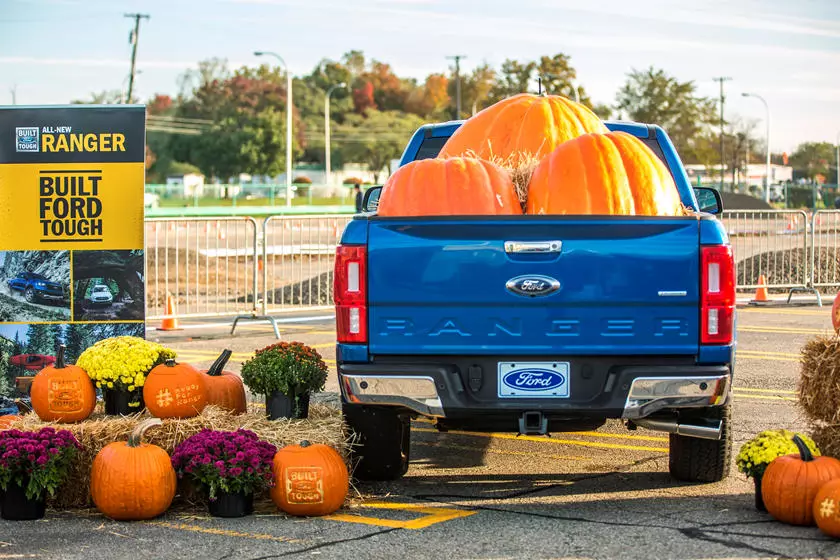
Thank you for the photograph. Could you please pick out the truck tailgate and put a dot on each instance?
(627, 285)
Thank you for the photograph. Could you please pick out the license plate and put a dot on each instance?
(534, 380)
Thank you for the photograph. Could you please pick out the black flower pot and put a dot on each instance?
(280, 405)
(229, 504)
(15, 506)
(117, 402)
(759, 500)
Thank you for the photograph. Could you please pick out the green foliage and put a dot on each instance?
(40, 339)
(814, 158)
(292, 368)
(378, 138)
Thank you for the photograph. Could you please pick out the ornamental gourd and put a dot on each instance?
(7, 420)
(225, 388)
(175, 390)
(521, 127)
(613, 173)
(827, 508)
(310, 480)
(133, 480)
(449, 187)
(790, 484)
(62, 393)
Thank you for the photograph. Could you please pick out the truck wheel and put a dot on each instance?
(703, 460)
(383, 437)
(29, 294)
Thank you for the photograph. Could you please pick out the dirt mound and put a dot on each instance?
(317, 290)
(788, 267)
(736, 201)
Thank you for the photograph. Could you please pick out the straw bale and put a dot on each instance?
(819, 379)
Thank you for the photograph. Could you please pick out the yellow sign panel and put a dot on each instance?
(52, 206)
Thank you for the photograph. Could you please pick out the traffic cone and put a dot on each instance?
(761, 294)
(170, 321)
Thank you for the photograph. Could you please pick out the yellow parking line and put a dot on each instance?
(432, 515)
(782, 311)
(496, 435)
(222, 532)
(590, 434)
(500, 451)
(783, 330)
(751, 390)
(758, 356)
(764, 397)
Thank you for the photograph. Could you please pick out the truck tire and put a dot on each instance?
(703, 460)
(383, 441)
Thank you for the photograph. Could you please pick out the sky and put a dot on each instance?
(787, 51)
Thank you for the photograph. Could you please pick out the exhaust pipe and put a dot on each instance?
(712, 431)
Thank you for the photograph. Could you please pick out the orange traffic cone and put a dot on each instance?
(761, 294)
(170, 321)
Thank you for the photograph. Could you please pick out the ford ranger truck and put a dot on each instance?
(538, 324)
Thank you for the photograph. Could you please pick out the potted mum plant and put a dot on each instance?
(760, 451)
(286, 373)
(119, 366)
(32, 465)
(230, 467)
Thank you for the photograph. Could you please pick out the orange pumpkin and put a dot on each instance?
(449, 187)
(613, 173)
(7, 420)
(133, 480)
(175, 390)
(309, 479)
(225, 388)
(522, 126)
(790, 484)
(827, 508)
(835, 313)
(62, 393)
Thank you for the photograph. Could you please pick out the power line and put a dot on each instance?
(721, 80)
(134, 38)
(457, 59)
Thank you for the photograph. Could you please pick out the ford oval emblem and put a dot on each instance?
(533, 380)
(533, 285)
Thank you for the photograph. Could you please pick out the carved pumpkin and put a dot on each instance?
(613, 173)
(175, 390)
(225, 388)
(827, 508)
(522, 126)
(791, 482)
(7, 420)
(449, 187)
(62, 393)
(835, 313)
(309, 479)
(133, 480)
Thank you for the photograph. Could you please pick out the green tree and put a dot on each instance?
(476, 88)
(814, 158)
(560, 78)
(377, 139)
(513, 78)
(76, 342)
(40, 339)
(652, 96)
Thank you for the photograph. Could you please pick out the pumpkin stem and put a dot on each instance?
(305, 443)
(170, 362)
(219, 364)
(59, 360)
(137, 434)
(804, 453)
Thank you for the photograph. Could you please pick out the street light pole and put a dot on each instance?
(767, 163)
(288, 123)
(327, 131)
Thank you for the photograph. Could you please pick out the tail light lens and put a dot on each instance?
(350, 293)
(718, 295)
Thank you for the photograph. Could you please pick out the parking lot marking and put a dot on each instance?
(546, 439)
(782, 330)
(223, 532)
(501, 451)
(781, 311)
(746, 355)
(764, 397)
(432, 515)
(774, 391)
(591, 434)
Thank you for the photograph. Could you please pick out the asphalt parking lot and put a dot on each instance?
(603, 494)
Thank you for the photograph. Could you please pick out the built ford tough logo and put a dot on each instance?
(533, 380)
(533, 285)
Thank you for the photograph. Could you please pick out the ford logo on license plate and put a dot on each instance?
(533, 285)
(533, 380)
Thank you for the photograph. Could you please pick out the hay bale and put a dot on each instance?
(324, 425)
(827, 438)
(819, 379)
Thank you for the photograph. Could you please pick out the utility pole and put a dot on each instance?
(13, 89)
(457, 59)
(134, 38)
(721, 80)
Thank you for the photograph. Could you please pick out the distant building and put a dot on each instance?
(710, 175)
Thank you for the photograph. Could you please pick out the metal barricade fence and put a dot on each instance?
(825, 250)
(773, 244)
(206, 265)
(298, 256)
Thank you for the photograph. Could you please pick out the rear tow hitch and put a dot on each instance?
(533, 423)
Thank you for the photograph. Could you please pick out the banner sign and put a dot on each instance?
(71, 228)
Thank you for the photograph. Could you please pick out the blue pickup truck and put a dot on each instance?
(538, 324)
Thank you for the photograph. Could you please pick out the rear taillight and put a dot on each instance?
(718, 295)
(350, 293)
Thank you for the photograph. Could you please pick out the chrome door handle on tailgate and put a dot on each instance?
(533, 246)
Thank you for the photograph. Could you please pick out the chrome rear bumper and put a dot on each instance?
(417, 393)
(648, 395)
